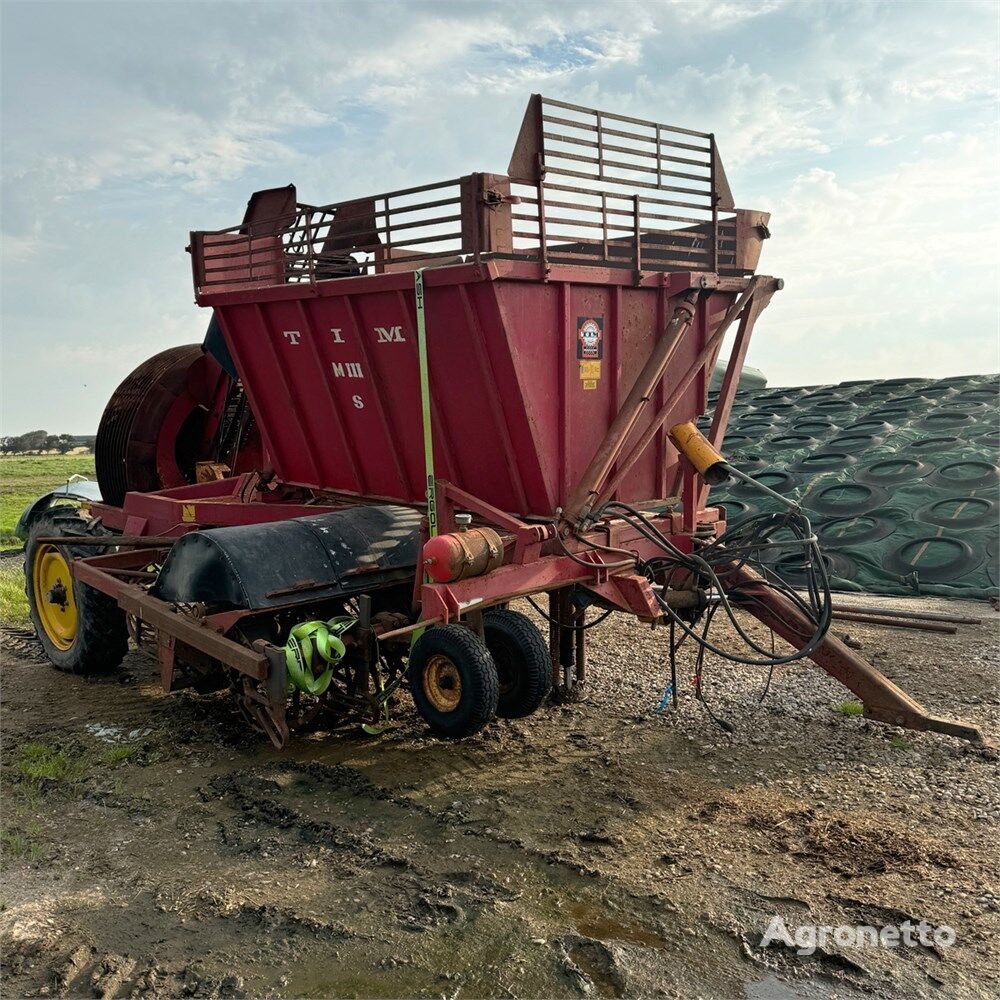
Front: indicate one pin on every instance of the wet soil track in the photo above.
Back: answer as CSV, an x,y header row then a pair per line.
x,y
597,848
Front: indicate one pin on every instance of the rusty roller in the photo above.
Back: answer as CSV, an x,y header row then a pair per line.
x,y
151,432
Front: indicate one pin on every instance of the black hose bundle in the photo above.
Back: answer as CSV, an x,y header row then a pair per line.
x,y
709,567
741,546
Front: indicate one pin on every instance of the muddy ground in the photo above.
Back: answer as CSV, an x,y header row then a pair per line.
x,y
154,846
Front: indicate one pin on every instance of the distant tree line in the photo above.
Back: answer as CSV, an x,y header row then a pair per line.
x,y
37,442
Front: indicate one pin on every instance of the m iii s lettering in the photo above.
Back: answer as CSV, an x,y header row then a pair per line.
x,y
349,370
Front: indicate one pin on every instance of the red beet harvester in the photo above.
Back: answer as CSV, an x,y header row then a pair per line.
x,y
413,408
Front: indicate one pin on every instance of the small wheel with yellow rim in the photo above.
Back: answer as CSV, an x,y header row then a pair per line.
x,y
453,680
82,630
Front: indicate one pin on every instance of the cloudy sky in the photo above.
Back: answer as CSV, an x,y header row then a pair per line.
x,y
869,130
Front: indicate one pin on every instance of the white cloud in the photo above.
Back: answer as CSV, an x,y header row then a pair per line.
x,y
720,14
24,248
936,138
899,270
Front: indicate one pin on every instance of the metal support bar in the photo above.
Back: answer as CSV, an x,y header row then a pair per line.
x,y
928,616
554,636
567,658
580,637
162,616
883,700
911,623
110,541
565,646
715,204
636,226
731,380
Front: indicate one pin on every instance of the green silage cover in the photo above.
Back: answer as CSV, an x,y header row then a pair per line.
x,y
898,477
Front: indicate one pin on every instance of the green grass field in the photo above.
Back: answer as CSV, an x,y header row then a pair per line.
x,y
22,479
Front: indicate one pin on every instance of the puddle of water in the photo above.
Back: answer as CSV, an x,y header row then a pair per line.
x,y
773,988
597,923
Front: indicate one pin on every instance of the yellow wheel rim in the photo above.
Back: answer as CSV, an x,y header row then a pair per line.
x,y
52,584
442,683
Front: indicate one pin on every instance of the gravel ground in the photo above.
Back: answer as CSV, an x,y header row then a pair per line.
x,y
154,847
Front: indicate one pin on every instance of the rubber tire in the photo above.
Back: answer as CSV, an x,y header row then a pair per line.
x,y
517,647
102,636
480,686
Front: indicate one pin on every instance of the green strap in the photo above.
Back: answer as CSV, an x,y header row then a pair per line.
x,y
425,402
324,639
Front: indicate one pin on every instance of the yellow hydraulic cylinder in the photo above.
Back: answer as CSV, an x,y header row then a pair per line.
x,y
699,452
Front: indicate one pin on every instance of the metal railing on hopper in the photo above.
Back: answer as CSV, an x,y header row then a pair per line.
x,y
639,175
394,230
587,188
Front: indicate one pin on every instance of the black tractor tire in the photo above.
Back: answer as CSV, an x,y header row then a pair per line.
x,y
100,640
524,666
453,680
